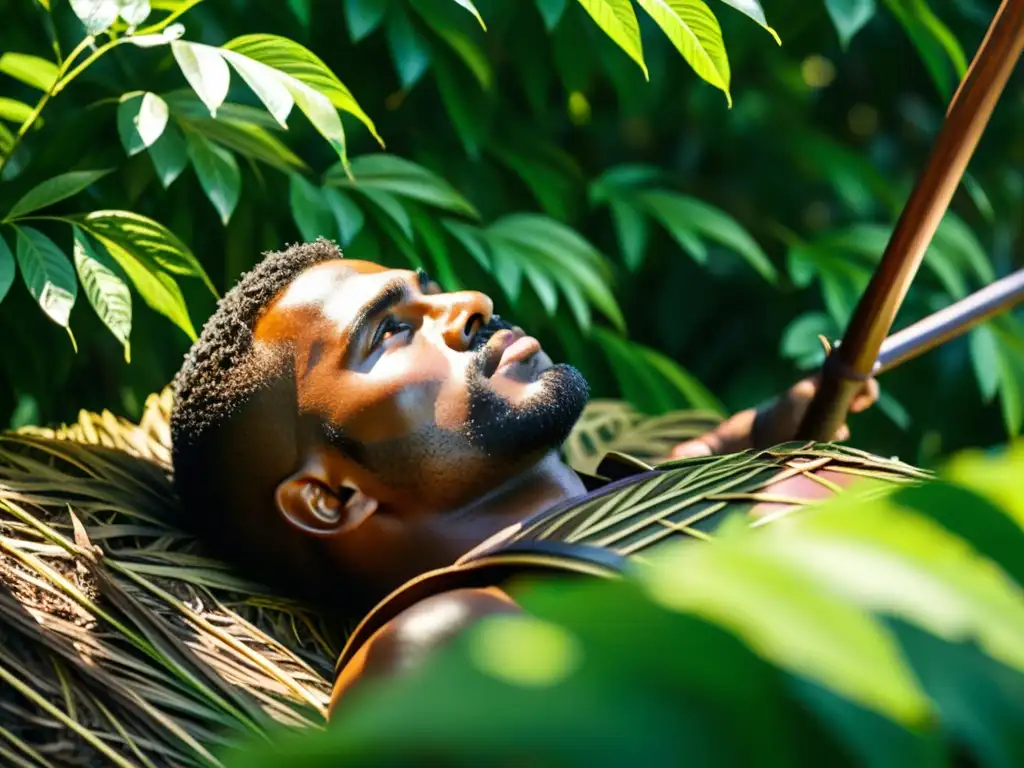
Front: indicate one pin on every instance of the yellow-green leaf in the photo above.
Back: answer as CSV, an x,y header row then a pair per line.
x,y
53,191
31,70
618,20
15,111
468,5
753,9
300,63
266,83
106,291
694,31
47,274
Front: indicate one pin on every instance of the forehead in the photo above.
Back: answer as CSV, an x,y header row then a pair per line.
x,y
336,289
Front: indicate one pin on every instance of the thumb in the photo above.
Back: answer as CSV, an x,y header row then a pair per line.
x,y
689,449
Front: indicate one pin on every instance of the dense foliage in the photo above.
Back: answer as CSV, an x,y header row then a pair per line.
x,y
566,158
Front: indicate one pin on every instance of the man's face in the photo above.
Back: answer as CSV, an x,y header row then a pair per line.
x,y
430,397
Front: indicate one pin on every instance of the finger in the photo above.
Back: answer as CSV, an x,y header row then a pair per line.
x,y
843,433
866,396
689,449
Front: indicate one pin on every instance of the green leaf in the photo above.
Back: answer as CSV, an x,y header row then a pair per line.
x,y
753,9
680,214
364,16
205,70
266,82
1011,380
48,274
985,359
347,214
461,44
409,50
301,64
310,209
468,5
141,120
551,11
134,12
404,178
249,141
218,174
146,240
322,114
107,292
31,70
694,31
618,20
7,268
96,15
849,17
542,286
632,232
15,111
955,239
800,341
472,240
697,395
169,155
184,104
53,191
386,204
938,47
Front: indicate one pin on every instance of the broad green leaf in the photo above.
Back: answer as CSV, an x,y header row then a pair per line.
x,y
48,274
15,111
96,15
184,104
622,179
985,359
218,174
299,63
753,9
472,240
468,5
141,120
321,113
31,70
106,291
7,268
249,141
466,104
618,20
958,242
169,155
790,620
205,70
507,267
408,48
938,47
551,11
632,232
403,178
542,286
266,82
386,204
156,287
686,213
53,191
800,342
310,209
364,16
461,44
146,240
849,17
347,214
694,31
697,395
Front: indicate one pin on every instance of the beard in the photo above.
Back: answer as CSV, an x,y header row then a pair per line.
x,y
508,431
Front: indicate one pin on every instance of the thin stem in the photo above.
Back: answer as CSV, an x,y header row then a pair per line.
x,y
66,80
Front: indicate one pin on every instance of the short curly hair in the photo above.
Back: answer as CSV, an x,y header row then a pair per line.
x,y
220,376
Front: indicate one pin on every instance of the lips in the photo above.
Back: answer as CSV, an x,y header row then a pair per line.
x,y
508,347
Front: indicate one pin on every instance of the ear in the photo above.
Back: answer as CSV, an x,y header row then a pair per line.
x,y
309,503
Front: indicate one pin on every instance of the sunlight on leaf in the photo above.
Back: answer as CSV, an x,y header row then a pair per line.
x,y
31,70
15,111
468,5
141,120
524,651
618,20
205,70
694,31
849,17
753,9
96,15
48,274
266,83
106,291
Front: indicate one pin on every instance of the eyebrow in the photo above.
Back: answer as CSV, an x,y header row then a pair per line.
x,y
390,296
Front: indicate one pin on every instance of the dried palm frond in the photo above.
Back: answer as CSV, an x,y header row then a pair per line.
x,y
121,642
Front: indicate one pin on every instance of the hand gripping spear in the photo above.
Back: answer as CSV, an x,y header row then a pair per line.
x,y
856,359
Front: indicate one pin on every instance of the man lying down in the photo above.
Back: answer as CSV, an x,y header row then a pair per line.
x,y
348,432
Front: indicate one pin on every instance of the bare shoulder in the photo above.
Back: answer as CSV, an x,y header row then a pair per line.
x,y
406,640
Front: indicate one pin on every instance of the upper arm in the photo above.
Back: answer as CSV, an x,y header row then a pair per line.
x,y
406,641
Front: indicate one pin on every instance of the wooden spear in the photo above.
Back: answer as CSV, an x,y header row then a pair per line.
x,y
854,360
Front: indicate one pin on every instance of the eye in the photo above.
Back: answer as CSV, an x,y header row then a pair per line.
x,y
390,327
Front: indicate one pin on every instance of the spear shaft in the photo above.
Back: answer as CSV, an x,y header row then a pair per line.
x,y
847,367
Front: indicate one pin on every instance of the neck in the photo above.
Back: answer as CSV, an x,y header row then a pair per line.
x,y
499,512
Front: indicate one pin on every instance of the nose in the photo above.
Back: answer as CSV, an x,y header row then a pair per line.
x,y
461,313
